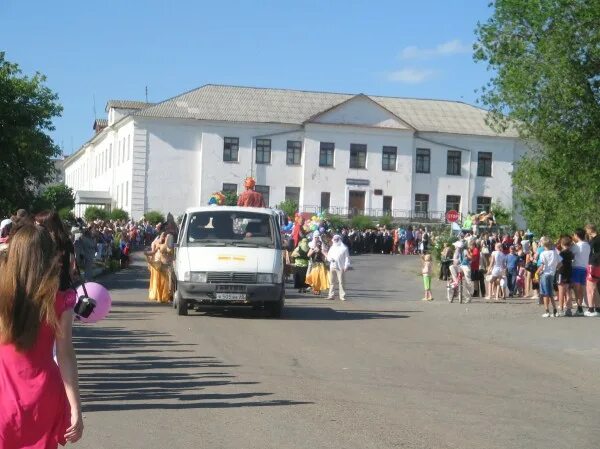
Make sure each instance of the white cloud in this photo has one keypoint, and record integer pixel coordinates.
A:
(410, 75)
(453, 47)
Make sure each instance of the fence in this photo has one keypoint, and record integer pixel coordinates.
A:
(398, 214)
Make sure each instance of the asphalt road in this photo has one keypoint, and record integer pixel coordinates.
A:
(382, 370)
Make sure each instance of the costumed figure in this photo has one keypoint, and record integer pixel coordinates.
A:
(250, 197)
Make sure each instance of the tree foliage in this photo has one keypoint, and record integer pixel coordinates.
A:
(119, 214)
(95, 213)
(546, 60)
(56, 197)
(27, 108)
(362, 222)
(231, 198)
(154, 217)
(289, 207)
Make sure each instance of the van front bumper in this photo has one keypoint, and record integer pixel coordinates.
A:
(254, 294)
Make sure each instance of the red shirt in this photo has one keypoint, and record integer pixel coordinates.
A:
(475, 259)
(251, 198)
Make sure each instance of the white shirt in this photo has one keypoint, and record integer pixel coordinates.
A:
(525, 244)
(499, 259)
(581, 251)
(550, 260)
(338, 257)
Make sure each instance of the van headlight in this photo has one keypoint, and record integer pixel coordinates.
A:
(264, 278)
(199, 277)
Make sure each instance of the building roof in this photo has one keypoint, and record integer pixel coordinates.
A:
(100, 123)
(265, 105)
(126, 104)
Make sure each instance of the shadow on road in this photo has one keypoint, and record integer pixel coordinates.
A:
(305, 313)
(123, 369)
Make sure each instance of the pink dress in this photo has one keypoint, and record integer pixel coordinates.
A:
(34, 411)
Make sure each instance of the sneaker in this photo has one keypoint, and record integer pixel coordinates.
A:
(342, 299)
(568, 312)
(546, 315)
(424, 299)
(579, 311)
(331, 298)
(588, 313)
(559, 313)
(555, 314)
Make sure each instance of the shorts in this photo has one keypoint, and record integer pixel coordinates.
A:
(564, 279)
(497, 272)
(427, 282)
(578, 275)
(593, 274)
(547, 285)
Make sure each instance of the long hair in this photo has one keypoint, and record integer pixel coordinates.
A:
(28, 287)
(50, 220)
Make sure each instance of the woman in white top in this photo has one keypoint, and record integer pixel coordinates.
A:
(496, 269)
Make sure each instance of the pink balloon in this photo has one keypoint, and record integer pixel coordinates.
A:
(102, 298)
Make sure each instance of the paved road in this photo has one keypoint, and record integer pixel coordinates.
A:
(383, 370)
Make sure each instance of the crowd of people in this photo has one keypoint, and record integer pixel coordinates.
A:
(498, 266)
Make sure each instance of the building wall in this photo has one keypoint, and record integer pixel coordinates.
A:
(169, 165)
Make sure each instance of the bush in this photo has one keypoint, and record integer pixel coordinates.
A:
(386, 221)
(119, 214)
(231, 198)
(95, 213)
(289, 207)
(154, 217)
(336, 222)
(59, 197)
(361, 222)
(502, 215)
(67, 215)
(440, 239)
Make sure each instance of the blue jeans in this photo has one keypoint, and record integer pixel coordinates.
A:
(511, 279)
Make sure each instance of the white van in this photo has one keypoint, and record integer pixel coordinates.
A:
(229, 256)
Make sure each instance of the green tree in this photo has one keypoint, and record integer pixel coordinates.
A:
(27, 108)
(546, 60)
(289, 207)
(119, 214)
(231, 198)
(362, 222)
(67, 215)
(57, 197)
(95, 213)
(154, 217)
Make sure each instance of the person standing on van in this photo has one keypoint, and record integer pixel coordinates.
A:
(339, 262)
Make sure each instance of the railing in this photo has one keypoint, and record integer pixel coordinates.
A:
(400, 214)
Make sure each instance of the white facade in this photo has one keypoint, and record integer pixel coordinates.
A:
(169, 163)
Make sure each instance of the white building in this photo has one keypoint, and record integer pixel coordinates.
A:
(324, 150)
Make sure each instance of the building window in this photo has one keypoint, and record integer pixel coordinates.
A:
(421, 204)
(454, 163)
(231, 146)
(423, 160)
(292, 194)
(325, 200)
(358, 155)
(263, 151)
(388, 158)
(326, 154)
(484, 203)
(452, 202)
(387, 205)
(264, 191)
(229, 187)
(294, 152)
(484, 164)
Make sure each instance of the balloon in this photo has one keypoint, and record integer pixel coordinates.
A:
(102, 298)
(321, 229)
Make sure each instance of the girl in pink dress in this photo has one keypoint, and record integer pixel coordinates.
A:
(39, 400)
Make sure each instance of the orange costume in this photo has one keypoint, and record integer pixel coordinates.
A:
(250, 198)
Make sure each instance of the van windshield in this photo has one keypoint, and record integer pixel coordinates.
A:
(230, 228)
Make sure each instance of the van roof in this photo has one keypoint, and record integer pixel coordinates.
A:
(256, 210)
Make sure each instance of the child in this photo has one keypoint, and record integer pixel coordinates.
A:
(521, 273)
(549, 261)
(563, 276)
(426, 272)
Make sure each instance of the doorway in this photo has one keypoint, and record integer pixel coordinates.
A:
(356, 203)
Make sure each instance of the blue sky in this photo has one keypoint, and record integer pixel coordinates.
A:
(114, 49)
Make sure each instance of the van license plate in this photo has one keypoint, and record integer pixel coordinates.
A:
(231, 296)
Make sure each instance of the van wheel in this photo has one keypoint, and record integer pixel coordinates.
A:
(182, 306)
(274, 309)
